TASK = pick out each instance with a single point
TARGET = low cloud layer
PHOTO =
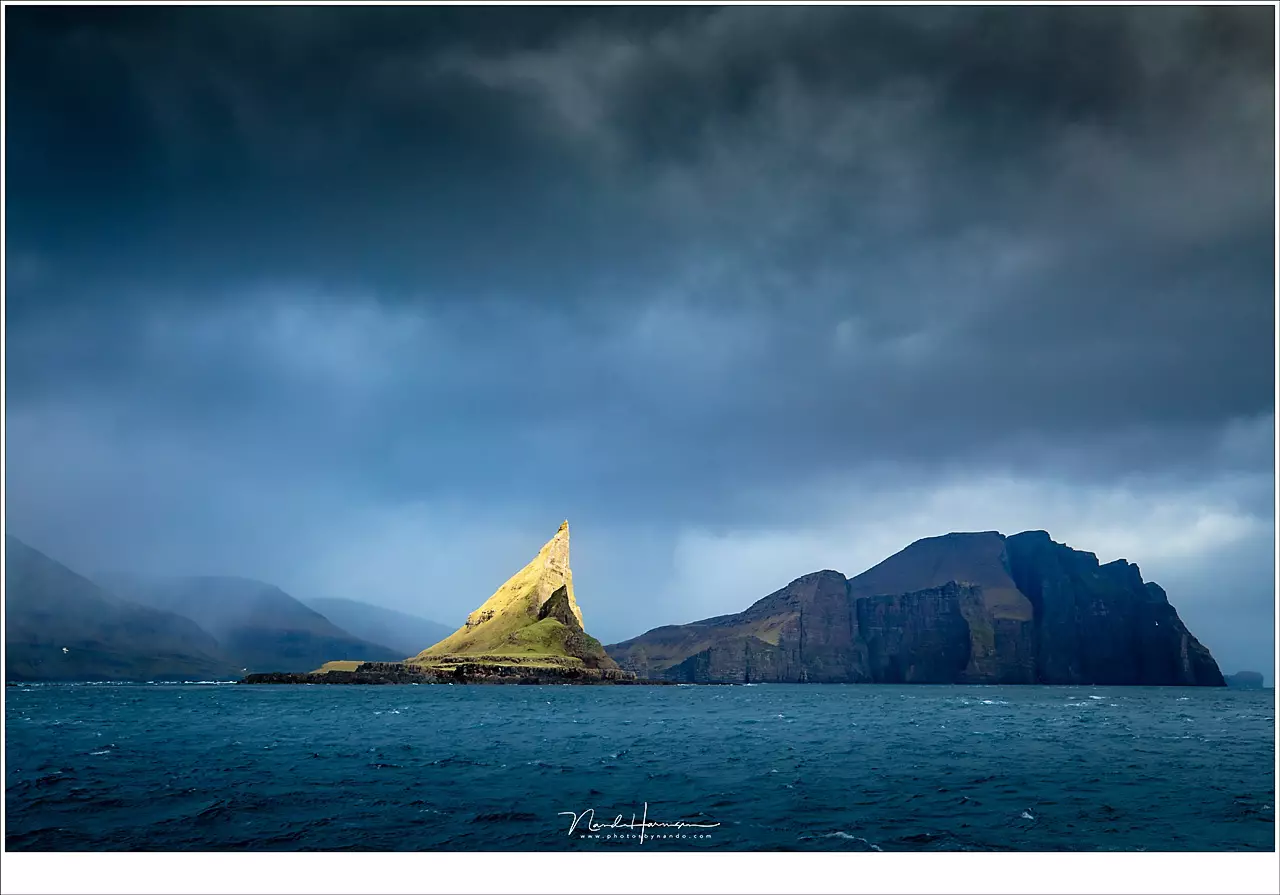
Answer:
(365, 301)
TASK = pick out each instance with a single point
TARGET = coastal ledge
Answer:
(460, 670)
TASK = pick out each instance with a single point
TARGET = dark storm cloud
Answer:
(714, 283)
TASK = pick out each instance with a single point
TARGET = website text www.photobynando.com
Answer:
(644, 824)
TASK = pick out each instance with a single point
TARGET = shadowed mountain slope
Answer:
(61, 626)
(258, 625)
(976, 558)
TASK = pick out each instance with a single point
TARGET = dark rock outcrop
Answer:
(577, 642)
(962, 608)
(479, 670)
(559, 608)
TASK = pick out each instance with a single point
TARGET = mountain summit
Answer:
(533, 615)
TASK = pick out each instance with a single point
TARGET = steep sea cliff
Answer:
(977, 608)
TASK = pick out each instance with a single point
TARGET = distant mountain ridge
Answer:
(59, 625)
(968, 607)
(257, 624)
(400, 631)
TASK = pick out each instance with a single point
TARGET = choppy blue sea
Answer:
(762, 767)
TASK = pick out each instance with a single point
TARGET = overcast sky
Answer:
(364, 302)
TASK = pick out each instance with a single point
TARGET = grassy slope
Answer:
(514, 605)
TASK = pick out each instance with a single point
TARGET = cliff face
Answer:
(988, 610)
(803, 632)
(962, 608)
(1101, 624)
(921, 637)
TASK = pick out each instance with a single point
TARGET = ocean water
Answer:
(873, 768)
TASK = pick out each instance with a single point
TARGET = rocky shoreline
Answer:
(468, 670)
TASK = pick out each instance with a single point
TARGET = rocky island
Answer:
(1245, 680)
(529, 632)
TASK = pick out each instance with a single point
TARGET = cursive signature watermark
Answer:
(643, 824)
